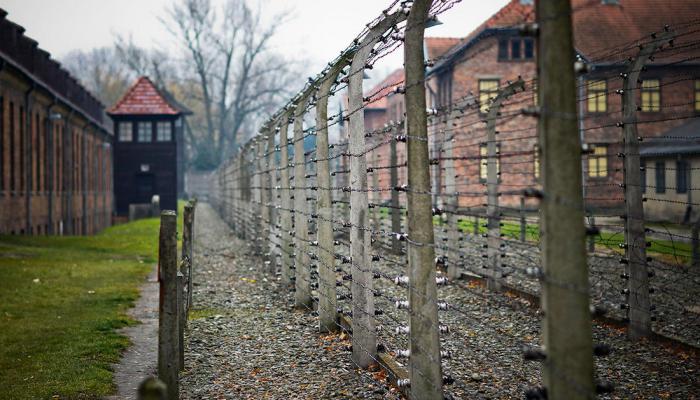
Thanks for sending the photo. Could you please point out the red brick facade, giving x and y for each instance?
(55, 152)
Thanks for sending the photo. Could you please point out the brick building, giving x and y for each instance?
(470, 71)
(55, 144)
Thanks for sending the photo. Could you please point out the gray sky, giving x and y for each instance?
(316, 34)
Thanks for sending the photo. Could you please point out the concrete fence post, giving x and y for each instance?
(568, 369)
(493, 210)
(271, 180)
(695, 244)
(182, 318)
(425, 366)
(364, 338)
(302, 281)
(187, 225)
(327, 301)
(286, 204)
(638, 302)
(168, 336)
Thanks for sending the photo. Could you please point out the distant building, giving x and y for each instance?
(148, 151)
(55, 144)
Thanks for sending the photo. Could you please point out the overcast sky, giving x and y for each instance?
(313, 32)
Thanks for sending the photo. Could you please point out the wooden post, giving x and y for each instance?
(286, 193)
(302, 283)
(591, 238)
(425, 367)
(364, 338)
(394, 182)
(638, 303)
(187, 225)
(152, 389)
(493, 213)
(568, 369)
(327, 302)
(523, 221)
(182, 318)
(695, 243)
(168, 338)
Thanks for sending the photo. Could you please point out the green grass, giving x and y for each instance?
(61, 301)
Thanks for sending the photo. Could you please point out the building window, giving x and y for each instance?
(660, 173)
(598, 162)
(682, 177)
(484, 161)
(445, 90)
(488, 89)
(597, 96)
(164, 132)
(536, 161)
(529, 49)
(126, 131)
(697, 95)
(516, 49)
(503, 49)
(145, 133)
(651, 95)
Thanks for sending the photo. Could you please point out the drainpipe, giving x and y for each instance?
(68, 155)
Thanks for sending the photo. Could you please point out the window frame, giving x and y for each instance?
(650, 90)
(594, 94)
(138, 131)
(484, 159)
(594, 158)
(167, 124)
(696, 94)
(682, 176)
(131, 131)
(483, 106)
(660, 176)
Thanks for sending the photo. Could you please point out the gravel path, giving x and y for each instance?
(243, 342)
(246, 342)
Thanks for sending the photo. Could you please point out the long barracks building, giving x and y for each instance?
(55, 144)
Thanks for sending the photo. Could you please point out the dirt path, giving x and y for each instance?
(140, 359)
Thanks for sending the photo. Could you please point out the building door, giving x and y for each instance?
(145, 188)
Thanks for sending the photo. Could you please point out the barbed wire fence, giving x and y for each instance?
(407, 235)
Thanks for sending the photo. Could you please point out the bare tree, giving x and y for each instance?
(101, 71)
(239, 76)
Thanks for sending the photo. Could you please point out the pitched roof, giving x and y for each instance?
(143, 98)
(378, 94)
(437, 46)
(512, 14)
(598, 27)
(683, 139)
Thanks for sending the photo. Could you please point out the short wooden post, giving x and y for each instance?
(523, 221)
(182, 318)
(152, 389)
(695, 243)
(187, 225)
(591, 238)
(168, 338)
